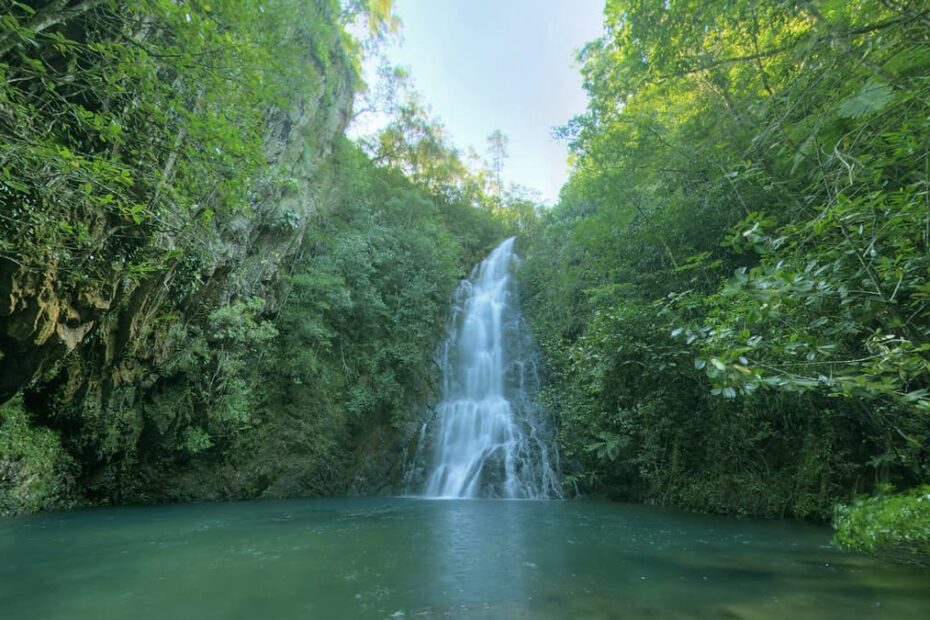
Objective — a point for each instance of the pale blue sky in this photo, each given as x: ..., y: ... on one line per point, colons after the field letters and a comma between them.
x: 501, y: 64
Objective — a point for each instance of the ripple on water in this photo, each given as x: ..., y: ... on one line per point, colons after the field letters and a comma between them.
x: 403, y: 558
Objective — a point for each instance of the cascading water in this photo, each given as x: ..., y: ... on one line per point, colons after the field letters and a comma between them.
x: 488, y: 439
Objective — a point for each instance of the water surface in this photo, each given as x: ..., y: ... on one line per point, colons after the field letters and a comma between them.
x: 408, y: 558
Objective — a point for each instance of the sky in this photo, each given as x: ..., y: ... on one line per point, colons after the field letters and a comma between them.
x: 483, y: 65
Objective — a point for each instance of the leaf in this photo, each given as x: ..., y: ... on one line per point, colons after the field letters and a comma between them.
x: 873, y: 97
x: 24, y: 7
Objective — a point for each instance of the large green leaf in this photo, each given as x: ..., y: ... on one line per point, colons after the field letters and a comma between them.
x: 873, y: 97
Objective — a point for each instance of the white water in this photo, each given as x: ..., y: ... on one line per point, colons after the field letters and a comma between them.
x: 489, y: 440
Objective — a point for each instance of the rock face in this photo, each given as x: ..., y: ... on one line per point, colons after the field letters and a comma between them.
x: 40, y: 324
x: 86, y: 354
x: 43, y: 317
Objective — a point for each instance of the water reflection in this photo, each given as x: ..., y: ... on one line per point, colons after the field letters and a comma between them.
x: 388, y: 558
x: 479, y: 556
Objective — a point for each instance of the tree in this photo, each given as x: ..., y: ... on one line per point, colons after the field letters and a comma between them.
x: 730, y: 284
x: 497, y: 151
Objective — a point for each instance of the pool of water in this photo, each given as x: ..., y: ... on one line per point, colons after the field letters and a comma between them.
x: 408, y: 558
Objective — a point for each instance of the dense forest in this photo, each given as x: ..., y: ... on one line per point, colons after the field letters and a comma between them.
x: 732, y: 293
x: 210, y: 292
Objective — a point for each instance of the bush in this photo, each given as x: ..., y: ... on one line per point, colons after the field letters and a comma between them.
x: 35, y: 472
x: 898, y: 522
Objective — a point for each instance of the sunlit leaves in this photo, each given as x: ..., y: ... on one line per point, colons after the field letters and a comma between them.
x: 760, y: 169
x: 148, y: 111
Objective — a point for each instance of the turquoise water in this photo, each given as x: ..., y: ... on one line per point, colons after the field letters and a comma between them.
x: 407, y: 558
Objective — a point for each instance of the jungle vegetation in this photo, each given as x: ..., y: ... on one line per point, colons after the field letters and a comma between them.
x: 732, y: 293
x: 210, y: 292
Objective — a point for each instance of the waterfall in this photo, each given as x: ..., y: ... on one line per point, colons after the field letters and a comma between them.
x: 488, y: 437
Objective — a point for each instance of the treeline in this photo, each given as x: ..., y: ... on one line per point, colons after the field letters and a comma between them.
x: 733, y: 290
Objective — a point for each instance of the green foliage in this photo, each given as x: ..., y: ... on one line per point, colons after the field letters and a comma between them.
x: 35, y: 473
x: 196, y: 440
x: 294, y: 402
x: 138, y: 139
x: 366, y: 309
x: 132, y: 128
x: 731, y: 292
x: 214, y: 368
x: 873, y: 97
x: 152, y: 151
x: 896, y: 522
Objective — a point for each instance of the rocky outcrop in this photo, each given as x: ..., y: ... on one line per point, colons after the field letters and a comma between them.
x: 47, y: 315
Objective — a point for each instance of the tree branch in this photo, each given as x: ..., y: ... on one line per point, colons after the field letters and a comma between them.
x: 53, y: 15
x: 775, y: 51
